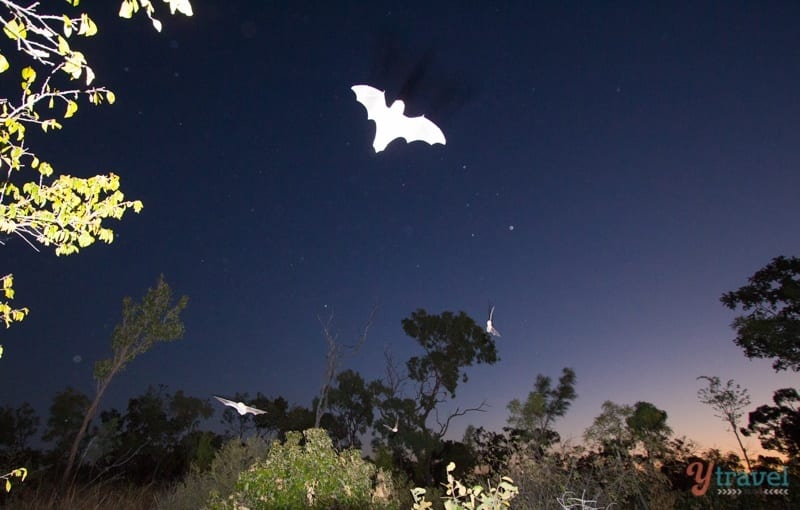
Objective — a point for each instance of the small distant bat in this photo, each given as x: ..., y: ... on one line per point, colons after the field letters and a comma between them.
x: 396, y: 423
x: 392, y: 123
x: 489, y: 326
x: 240, y: 406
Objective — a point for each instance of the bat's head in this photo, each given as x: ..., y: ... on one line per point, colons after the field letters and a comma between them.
x: 398, y: 106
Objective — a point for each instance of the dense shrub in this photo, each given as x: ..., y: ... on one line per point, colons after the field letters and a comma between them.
x: 219, y: 479
x: 306, y: 472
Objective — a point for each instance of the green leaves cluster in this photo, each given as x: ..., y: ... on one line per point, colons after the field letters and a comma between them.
x: 460, y: 497
x: 304, y: 472
x: 130, y: 7
x: 65, y: 211
x: 8, y: 314
x: 155, y: 319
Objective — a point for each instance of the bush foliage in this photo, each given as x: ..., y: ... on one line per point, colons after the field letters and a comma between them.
x: 306, y: 472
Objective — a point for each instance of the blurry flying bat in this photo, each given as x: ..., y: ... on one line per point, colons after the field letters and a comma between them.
x: 391, y: 122
x: 240, y: 406
x: 396, y: 423
x: 489, y: 326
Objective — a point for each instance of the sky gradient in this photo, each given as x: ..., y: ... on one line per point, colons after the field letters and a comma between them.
x: 610, y: 170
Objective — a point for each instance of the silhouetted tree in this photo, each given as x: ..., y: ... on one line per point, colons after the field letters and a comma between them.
x: 160, y: 434
x: 610, y: 432
x: 729, y: 403
x: 17, y: 427
x: 352, y: 404
x: 771, y: 328
x: 492, y: 450
x: 143, y: 325
x: 272, y: 424
x: 333, y: 359
x: 620, y: 432
x: 778, y: 426
x: 648, y: 426
x: 450, y: 343
x: 535, y: 417
x: 66, y: 414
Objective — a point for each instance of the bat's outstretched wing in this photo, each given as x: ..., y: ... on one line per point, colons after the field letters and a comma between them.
x: 226, y: 401
x: 254, y: 410
x: 418, y: 129
x: 391, y: 122
x: 373, y: 100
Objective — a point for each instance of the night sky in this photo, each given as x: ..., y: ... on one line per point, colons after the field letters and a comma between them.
x: 610, y: 170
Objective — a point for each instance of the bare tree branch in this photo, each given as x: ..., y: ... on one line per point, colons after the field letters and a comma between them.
x: 458, y: 412
x: 336, y: 352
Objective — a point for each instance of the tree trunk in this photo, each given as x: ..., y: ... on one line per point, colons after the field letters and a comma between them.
x: 73, y: 452
x: 744, y: 452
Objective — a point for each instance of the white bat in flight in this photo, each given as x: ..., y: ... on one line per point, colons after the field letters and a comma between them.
x: 391, y: 122
x: 240, y: 406
x: 489, y: 326
x: 396, y: 423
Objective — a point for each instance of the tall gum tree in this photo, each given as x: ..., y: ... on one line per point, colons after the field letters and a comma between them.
x: 156, y: 319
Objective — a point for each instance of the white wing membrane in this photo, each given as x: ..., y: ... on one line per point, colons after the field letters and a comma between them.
x: 391, y: 123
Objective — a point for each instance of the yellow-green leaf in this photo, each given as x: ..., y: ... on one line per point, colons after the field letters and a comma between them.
x: 3, y: 63
x: 182, y: 6
x: 72, y: 107
x: 110, y: 97
x: 74, y: 3
x: 46, y: 169
x: 28, y: 74
x: 73, y: 64
x: 15, y: 29
x: 67, y: 25
x: 49, y: 123
x: 63, y: 46
x: 88, y: 27
x: 127, y: 9
x: 85, y: 239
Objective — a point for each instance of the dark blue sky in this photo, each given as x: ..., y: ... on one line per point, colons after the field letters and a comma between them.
x: 610, y: 170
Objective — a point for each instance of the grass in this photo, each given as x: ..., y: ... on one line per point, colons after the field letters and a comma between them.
x: 96, y: 497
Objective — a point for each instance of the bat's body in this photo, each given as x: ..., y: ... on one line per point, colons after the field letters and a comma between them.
x: 391, y: 122
x: 241, y: 407
x: 489, y: 326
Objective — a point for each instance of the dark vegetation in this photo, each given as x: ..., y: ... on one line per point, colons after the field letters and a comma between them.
x: 155, y: 453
